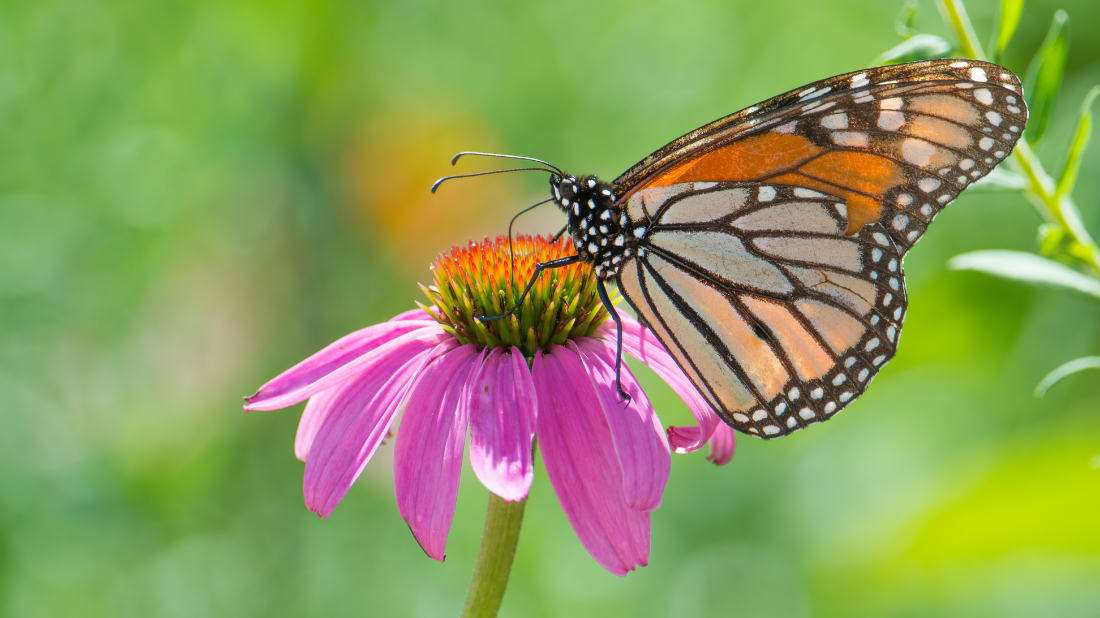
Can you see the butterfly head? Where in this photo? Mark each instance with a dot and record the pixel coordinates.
(596, 221)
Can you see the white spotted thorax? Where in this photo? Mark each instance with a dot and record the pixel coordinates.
(601, 232)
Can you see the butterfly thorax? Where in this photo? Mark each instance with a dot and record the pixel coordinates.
(597, 223)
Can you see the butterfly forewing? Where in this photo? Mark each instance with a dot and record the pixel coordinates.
(778, 317)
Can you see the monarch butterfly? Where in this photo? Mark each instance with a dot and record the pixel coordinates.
(765, 249)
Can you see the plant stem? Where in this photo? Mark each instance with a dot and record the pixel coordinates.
(1059, 210)
(494, 560)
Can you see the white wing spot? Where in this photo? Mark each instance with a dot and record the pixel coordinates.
(1014, 109)
(994, 118)
(905, 199)
(978, 74)
(639, 232)
(800, 192)
(928, 185)
(872, 344)
(893, 265)
(913, 235)
(851, 360)
(817, 393)
(839, 379)
(926, 210)
(893, 283)
(984, 96)
(1000, 154)
(771, 430)
(835, 121)
(897, 313)
(886, 300)
(966, 164)
(786, 128)
(806, 413)
(794, 393)
(791, 422)
(781, 408)
(985, 143)
(830, 407)
(850, 139)
(759, 415)
(892, 103)
(876, 254)
(960, 65)
(845, 396)
(878, 360)
(890, 332)
(842, 209)
(900, 222)
(890, 121)
(943, 199)
(863, 375)
(767, 194)
(741, 418)
(880, 238)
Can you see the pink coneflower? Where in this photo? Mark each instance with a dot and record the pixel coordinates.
(547, 371)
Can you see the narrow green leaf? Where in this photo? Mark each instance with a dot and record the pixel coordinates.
(1026, 267)
(1010, 19)
(1001, 179)
(916, 47)
(1052, 378)
(904, 23)
(1077, 146)
(1044, 76)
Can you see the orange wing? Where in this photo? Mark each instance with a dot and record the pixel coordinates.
(896, 143)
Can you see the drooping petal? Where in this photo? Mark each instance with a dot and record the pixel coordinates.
(723, 442)
(358, 419)
(502, 416)
(580, 459)
(640, 441)
(642, 344)
(356, 353)
(427, 457)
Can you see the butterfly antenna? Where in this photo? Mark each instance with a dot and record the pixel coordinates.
(436, 184)
(504, 156)
(511, 255)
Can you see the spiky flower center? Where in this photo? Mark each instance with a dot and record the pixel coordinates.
(484, 280)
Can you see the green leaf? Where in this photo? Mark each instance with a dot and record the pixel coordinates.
(1044, 76)
(916, 47)
(1010, 19)
(1077, 146)
(1052, 378)
(904, 23)
(1000, 179)
(1026, 267)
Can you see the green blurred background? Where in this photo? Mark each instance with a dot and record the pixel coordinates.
(196, 195)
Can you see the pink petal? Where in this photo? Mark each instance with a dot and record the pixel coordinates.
(345, 359)
(640, 441)
(502, 416)
(316, 412)
(580, 459)
(723, 442)
(428, 453)
(642, 344)
(356, 421)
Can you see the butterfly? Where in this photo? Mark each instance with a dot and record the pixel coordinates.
(765, 249)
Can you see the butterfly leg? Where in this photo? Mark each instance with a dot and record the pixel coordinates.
(606, 300)
(558, 263)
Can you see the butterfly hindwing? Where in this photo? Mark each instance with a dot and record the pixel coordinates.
(777, 316)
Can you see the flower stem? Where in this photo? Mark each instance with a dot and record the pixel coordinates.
(1052, 207)
(494, 560)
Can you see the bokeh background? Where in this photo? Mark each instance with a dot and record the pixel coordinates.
(194, 195)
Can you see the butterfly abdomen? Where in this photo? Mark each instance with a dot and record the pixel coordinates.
(597, 223)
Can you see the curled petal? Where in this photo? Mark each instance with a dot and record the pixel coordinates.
(357, 418)
(642, 344)
(580, 459)
(723, 442)
(428, 453)
(640, 442)
(502, 412)
(359, 352)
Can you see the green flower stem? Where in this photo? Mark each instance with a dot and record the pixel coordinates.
(1059, 210)
(494, 560)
